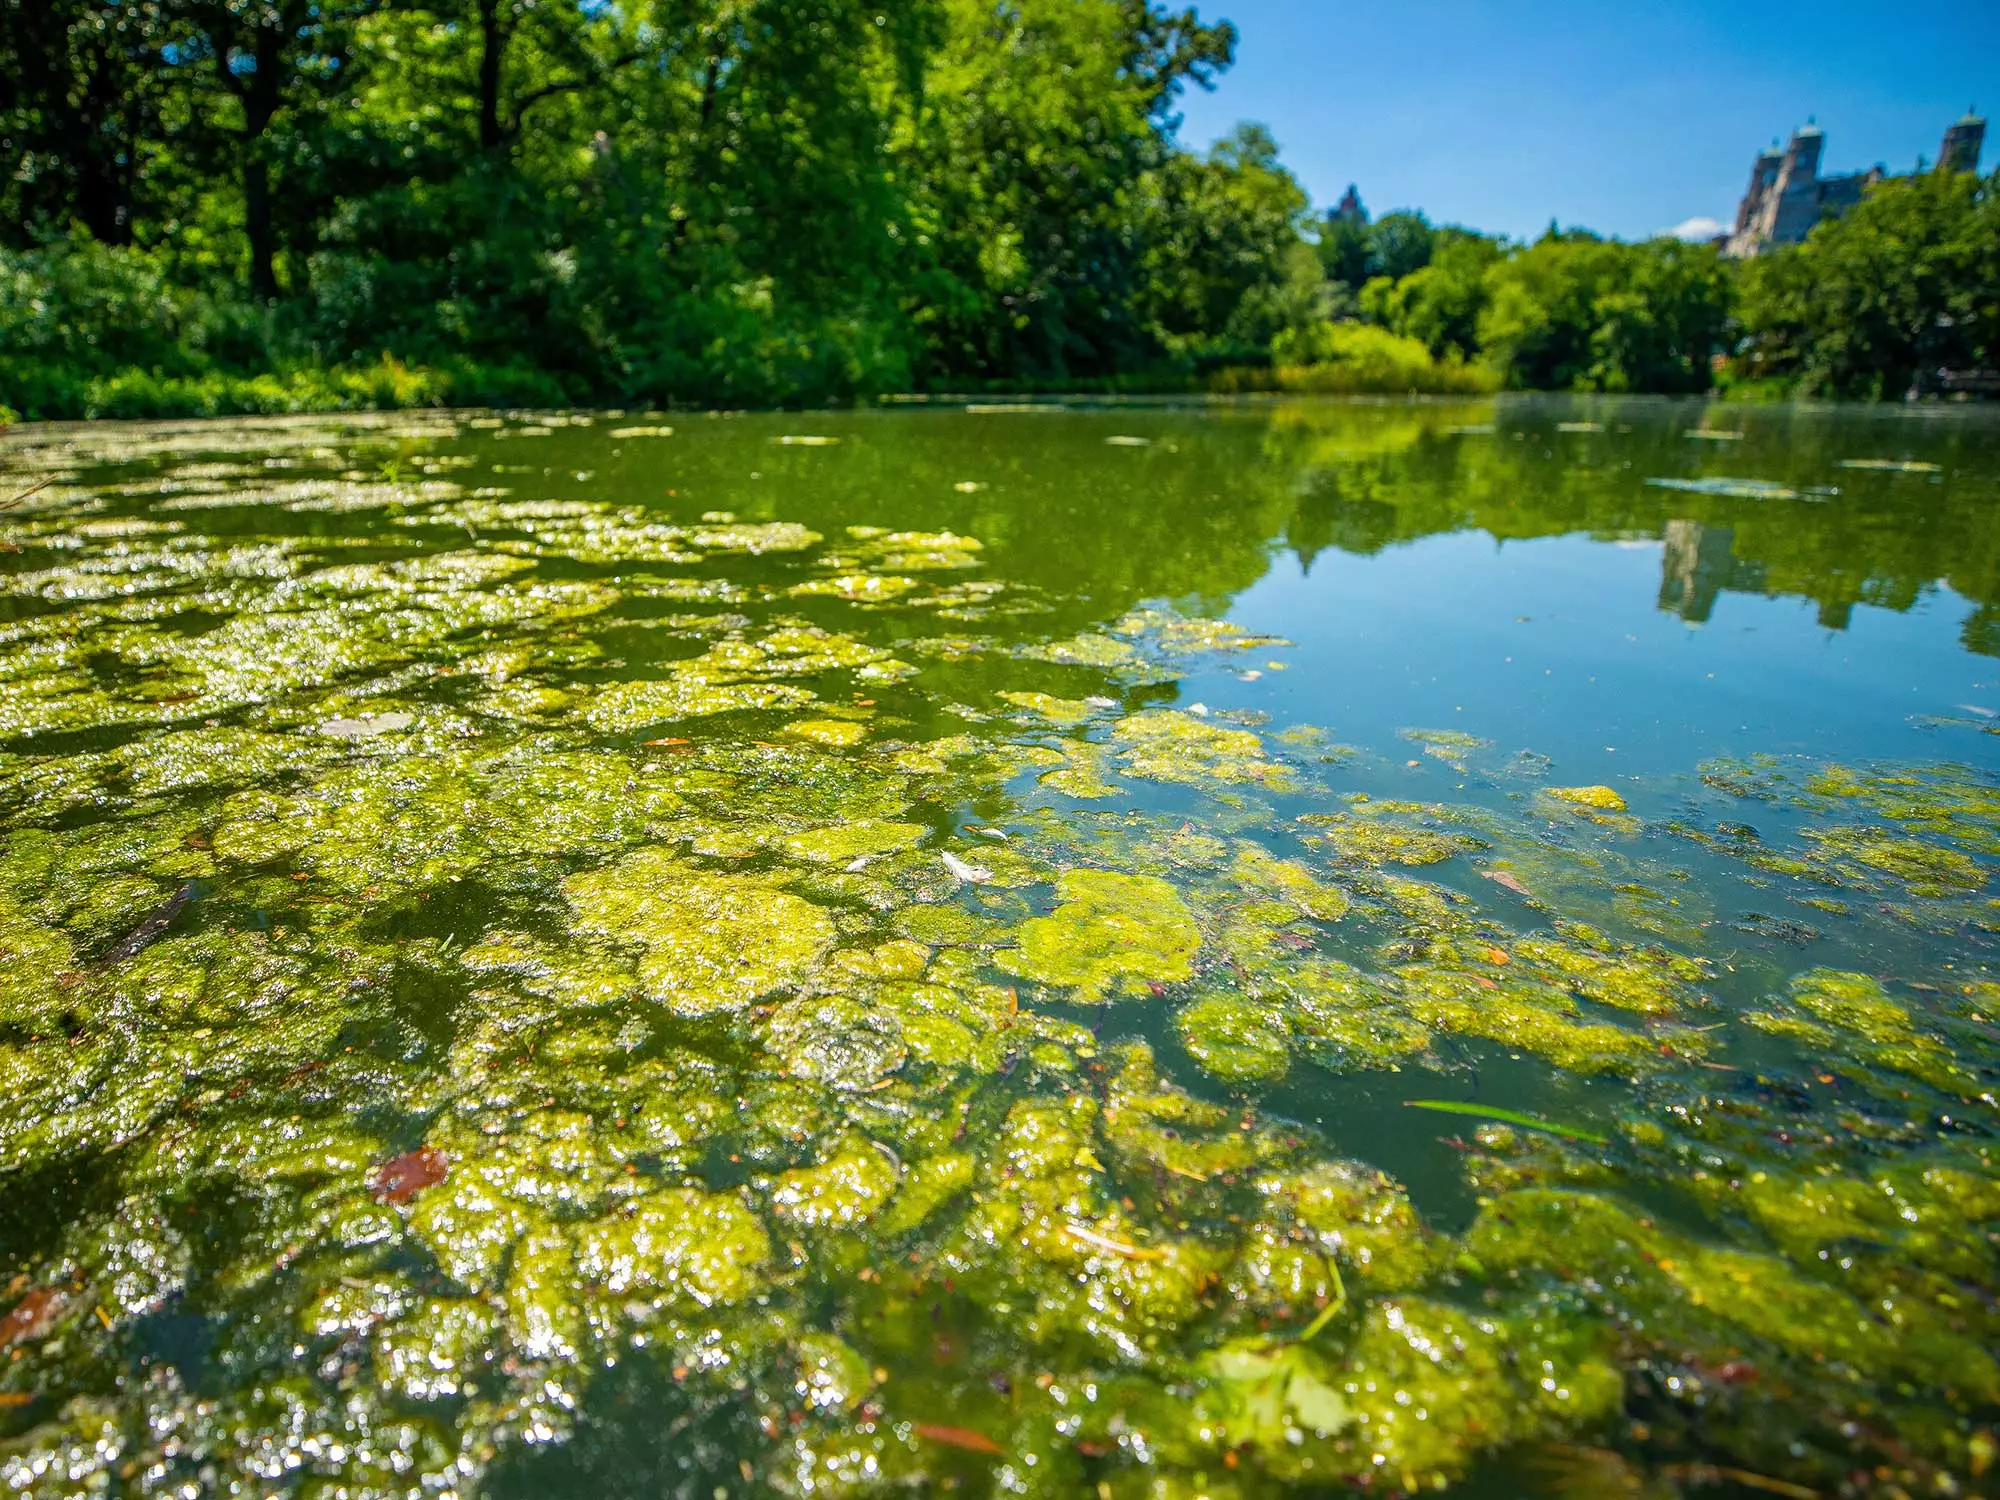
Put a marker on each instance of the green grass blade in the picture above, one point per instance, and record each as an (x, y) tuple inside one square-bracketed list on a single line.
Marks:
[(1508, 1117)]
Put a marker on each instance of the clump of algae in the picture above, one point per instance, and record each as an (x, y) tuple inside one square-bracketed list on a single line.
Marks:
[(1596, 798), (1170, 745), (1236, 1039), (1382, 838), (1852, 1019), (708, 942), (1112, 934)]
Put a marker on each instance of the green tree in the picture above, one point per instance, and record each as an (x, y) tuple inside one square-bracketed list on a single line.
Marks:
[(1576, 312), (268, 62), (84, 88), (1878, 301), (1439, 303), (1227, 266)]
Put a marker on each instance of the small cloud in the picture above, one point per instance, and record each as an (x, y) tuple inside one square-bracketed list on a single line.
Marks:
[(1701, 227)]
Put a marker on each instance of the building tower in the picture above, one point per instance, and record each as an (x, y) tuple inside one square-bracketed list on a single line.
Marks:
[(1963, 139), (1751, 219)]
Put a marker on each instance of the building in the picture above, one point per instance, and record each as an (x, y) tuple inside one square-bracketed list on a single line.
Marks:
[(1787, 196)]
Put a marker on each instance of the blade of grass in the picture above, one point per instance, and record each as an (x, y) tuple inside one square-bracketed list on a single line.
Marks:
[(1508, 1117)]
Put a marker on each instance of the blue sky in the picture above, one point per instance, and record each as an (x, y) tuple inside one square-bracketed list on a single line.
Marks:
[(1627, 117)]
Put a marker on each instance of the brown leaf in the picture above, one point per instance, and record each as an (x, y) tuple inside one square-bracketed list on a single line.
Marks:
[(1502, 878), (401, 1178), (958, 1437), (33, 1316)]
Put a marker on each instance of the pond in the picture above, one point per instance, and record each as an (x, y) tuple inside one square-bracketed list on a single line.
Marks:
[(1124, 950)]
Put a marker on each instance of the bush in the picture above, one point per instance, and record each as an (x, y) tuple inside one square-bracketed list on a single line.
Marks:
[(1357, 359)]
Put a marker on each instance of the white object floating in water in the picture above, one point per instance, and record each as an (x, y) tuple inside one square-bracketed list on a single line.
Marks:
[(632, 432), (968, 486), (1891, 465), (367, 726), (1097, 700), (793, 440), (1199, 710), (971, 874), (1250, 676), (991, 833), (856, 866), (1129, 442)]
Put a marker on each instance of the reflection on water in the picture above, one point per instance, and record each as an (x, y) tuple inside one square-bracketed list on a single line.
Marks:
[(1149, 950)]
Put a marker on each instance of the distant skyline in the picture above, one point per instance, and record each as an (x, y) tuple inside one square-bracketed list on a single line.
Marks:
[(1630, 120)]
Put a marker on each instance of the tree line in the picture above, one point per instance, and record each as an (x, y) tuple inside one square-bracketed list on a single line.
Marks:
[(220, 204)]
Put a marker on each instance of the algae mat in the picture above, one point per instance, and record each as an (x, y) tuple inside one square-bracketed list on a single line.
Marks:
[(893, 953)]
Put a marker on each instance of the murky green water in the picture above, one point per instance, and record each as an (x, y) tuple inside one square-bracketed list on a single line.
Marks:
[(1154, 951)]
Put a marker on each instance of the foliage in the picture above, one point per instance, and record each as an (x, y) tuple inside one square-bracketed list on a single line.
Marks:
[(1574, 312), (766, 201), (1360, 359), (1439, 303), (1903, 286)]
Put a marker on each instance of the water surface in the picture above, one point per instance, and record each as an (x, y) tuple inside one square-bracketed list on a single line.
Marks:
[(1147, 950)]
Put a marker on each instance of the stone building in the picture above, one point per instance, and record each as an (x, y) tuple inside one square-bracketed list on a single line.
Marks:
[(1787, 196)]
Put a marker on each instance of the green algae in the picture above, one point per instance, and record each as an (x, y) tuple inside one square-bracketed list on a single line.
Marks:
[(780, 1149), (1596, 798), (709, 942), (1376, 840), (1854, 1020), (1055, 710), (1172, 746), (1452, 746), (1112, 933), (1236, 1039)]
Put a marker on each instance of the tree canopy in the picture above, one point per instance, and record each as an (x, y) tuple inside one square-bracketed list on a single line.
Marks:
[(756, 201)]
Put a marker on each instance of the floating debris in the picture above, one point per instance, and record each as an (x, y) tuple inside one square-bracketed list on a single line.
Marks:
[(1736, 489)]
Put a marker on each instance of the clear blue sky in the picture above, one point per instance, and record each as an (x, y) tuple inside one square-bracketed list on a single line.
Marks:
[(1623, 116)]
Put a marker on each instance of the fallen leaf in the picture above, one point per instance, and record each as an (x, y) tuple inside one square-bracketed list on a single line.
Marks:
[(367, 726), (957, 1437), (1509, 882), (401, 1178), (32, 1317)]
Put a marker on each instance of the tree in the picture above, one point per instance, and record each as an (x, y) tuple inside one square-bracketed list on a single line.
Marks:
[(1226, 262), (1575, 312), (1439, 303), (267, 58), (1399, 244), (1878, 301), (82, 92)]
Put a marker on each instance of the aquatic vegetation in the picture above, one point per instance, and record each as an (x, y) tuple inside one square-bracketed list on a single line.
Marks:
[(1112, 933), (1379, 839), (710, 942), (1853, 1021), (1169, 745), (462, 983), (1597, 798), (1236, 1039)]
